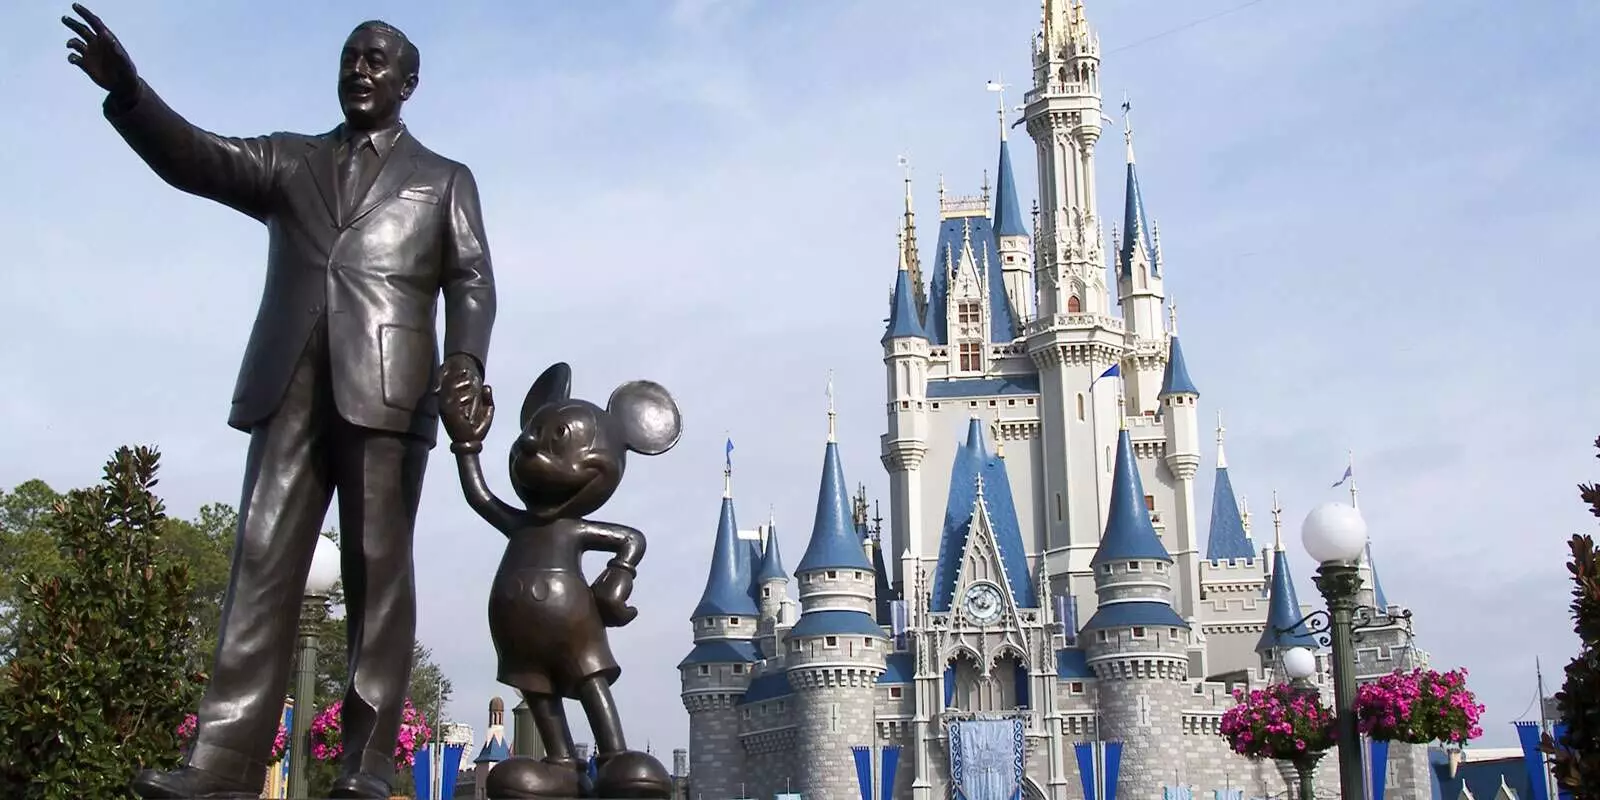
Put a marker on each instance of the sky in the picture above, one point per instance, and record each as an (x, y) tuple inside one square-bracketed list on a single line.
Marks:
[(1378, 219)]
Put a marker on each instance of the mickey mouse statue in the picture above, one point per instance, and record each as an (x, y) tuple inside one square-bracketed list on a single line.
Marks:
[(547, 622)]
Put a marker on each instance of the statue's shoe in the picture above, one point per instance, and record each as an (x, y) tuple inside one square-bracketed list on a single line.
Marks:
[(190, 782), (631, 774), (526, 778), (360, 785)]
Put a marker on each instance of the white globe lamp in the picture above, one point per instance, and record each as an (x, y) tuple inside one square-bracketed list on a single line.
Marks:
[(1334, 533), (1299, 663), (324, 568)]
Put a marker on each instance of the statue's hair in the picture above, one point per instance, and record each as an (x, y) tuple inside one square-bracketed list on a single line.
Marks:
[(410, 56)]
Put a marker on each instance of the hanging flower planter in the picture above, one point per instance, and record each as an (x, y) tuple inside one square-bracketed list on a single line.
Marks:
[(1279, 722), (186, 730), (1419, 707), (327, 741)]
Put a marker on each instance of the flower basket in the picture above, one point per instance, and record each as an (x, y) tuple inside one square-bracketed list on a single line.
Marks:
[(327, 742), (186, 730), (1279, 722), (1419, 707)]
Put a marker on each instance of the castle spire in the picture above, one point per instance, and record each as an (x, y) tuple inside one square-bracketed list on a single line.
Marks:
[(727, 592), (1285, 627), (771, 568), (904, 319), (1227, 539), (1138, 249), (834, 544), (1129, 533), (1176, 380), (908, 247)]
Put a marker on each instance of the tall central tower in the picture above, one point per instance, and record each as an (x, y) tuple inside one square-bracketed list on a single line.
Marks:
[(1075, 338)]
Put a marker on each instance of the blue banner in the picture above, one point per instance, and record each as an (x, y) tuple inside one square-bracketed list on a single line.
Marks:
[(1113, 768), (421, 772), (451, 768), (1377, 767), (891, 762), (1228, 794), (1087, 774), (1022, 685), (293, 747), (1177, 792), (949, 685), (863, 770), (1528, 735)]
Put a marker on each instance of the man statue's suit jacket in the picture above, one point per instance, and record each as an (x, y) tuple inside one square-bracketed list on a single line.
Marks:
[(374, 271)]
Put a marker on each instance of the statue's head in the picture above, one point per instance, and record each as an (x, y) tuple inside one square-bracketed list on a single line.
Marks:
[(377, 74)]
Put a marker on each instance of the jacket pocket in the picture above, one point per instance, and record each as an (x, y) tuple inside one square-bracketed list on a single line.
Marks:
[(406, 355)]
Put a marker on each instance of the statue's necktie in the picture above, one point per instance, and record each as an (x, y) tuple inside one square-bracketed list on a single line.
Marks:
[(355, 170)]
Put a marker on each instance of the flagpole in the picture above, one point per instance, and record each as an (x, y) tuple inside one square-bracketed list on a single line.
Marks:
[(1547, 775), (1350, 466)]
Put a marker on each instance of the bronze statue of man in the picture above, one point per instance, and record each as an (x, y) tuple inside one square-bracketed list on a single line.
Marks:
[(340, 388)]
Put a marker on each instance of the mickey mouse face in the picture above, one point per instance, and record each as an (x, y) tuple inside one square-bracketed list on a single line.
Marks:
[(571, 454), (564, 450)]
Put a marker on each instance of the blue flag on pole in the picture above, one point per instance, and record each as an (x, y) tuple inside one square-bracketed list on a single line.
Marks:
[(1348, 471), (1113, 371), (727, 454)]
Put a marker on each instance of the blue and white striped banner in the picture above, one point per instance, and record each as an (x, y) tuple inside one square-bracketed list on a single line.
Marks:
[(986, 758), (890, 756), (1099, 764)]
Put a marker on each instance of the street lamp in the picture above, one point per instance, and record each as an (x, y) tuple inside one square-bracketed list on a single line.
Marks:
[(1300, 664), (319, 582), (1336, 536)]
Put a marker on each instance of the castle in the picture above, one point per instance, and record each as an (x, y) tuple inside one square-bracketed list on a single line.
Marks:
[(1045, 606)]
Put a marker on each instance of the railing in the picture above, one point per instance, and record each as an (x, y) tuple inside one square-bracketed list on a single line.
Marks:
[(1071, 321)]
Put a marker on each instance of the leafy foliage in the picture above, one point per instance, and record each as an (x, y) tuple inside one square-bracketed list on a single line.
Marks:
[(101, 673), (1577, 756)]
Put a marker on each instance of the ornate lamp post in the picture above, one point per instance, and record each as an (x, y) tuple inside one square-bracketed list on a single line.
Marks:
[(1335, 535), (1300, 664), (319, 582)]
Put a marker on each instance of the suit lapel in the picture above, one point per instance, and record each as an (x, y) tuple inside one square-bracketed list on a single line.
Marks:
[(392, 175), (319, 160)]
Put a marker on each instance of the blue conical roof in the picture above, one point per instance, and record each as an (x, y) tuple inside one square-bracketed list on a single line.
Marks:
[(1007, 212), (834, 541), (1227, 539), (1378, 598), (727, 591), (771, 568), (973, 460), (1176, 379), (1129, 533), (1285, 624), (903, 319), (1135, 227)]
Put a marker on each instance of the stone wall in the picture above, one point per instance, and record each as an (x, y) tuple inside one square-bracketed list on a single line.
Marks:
[(1146, 716), (716, 758), (831, 720)]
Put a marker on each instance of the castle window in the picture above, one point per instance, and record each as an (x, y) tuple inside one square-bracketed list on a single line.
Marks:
[(794, 645), (1011, 401), (830, 641), (733, 622), (1149, 502), (1074, 305), (1058, 507), (968, 312), (766, 591), (1080, 407), (780, 706), (1138, 632), (868, 641), (1174, 633), (895, 692), (991, 404), (1030, 401), (971, 356), (1109, 462), (1161, 566), (738, 669), (832, 574), (1105, 568), (1076, 687), (1102, 636), (705, 669), (1133, 566)]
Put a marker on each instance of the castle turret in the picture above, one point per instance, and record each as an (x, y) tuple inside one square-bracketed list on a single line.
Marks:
[(1139, 268), (494, 749), (836, 651), (774, 587), (1285, 628), (1012, 237), (1180, 411), (717, 671), (1135, 643), (906, 352)]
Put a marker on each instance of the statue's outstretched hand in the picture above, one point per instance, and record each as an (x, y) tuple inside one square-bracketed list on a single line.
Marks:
[(97, 52)]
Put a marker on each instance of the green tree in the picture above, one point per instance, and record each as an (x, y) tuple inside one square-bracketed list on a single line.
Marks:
[(100, 677), (26, 548), (1577, 758)]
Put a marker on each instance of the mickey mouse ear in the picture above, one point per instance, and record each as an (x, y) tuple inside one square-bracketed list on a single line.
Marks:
[(554, 386), (648, 416)]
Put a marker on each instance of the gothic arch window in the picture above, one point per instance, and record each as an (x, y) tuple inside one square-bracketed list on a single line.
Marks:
[(1074, 305), (1080, 407)]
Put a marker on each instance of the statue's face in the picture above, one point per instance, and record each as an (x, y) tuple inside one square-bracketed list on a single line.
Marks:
[(373, 82)]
